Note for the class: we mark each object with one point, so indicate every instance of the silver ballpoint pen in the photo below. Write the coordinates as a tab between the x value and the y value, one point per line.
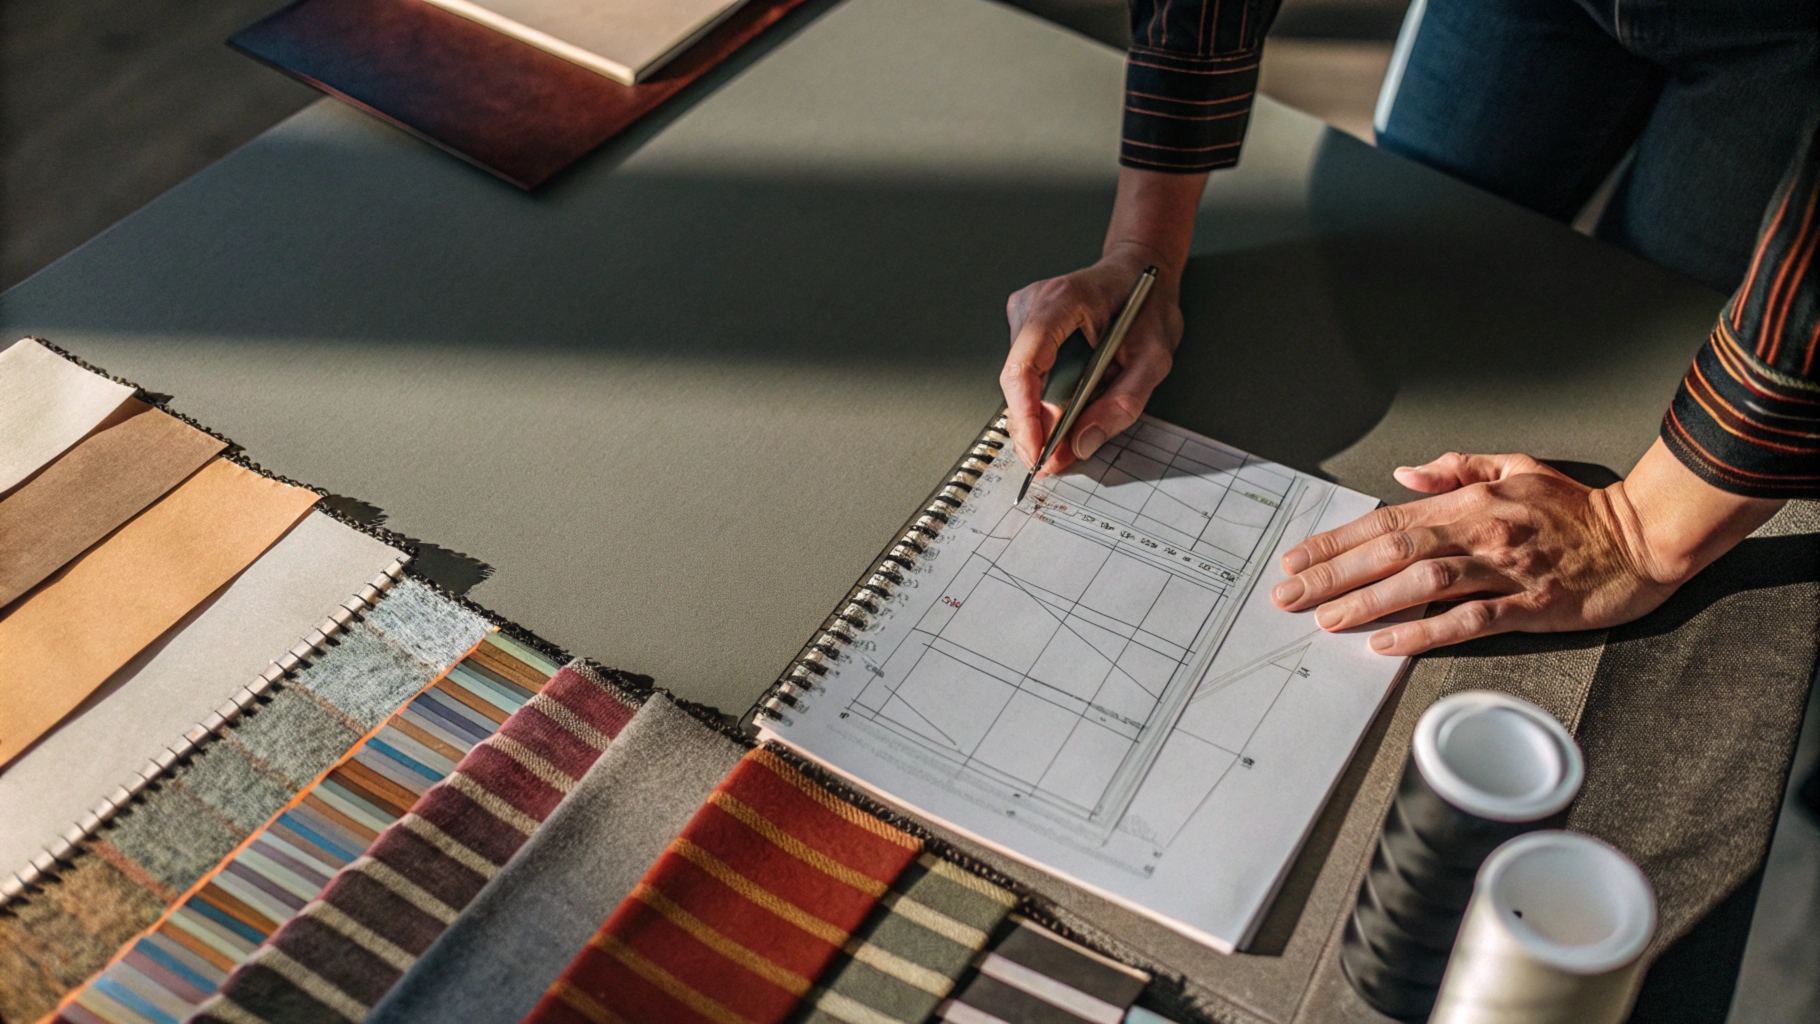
1096	369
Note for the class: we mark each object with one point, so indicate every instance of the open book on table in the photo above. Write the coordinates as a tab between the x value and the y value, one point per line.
1095	681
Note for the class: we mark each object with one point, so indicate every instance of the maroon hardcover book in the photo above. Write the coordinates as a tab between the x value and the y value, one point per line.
504	105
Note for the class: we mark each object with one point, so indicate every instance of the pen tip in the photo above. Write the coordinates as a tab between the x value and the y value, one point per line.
1021	491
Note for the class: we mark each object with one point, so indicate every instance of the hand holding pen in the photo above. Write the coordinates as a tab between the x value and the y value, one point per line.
1097	369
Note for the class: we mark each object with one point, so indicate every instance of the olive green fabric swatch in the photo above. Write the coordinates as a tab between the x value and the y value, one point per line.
900	964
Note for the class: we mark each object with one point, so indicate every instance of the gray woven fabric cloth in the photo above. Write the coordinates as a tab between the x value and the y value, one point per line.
494	963
1688	719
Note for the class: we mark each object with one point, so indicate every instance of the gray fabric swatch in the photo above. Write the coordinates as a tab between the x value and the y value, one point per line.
494	963
430	627
294	736
176	842
227	777
366	676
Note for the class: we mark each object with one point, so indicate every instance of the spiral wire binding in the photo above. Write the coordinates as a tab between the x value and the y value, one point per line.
867	598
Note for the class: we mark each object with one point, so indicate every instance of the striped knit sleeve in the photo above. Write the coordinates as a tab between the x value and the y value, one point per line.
1189	79
1747	415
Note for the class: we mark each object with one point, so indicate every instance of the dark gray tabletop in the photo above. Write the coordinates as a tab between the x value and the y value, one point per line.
680	397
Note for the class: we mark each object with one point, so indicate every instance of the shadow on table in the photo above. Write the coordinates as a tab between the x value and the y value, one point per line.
1295	350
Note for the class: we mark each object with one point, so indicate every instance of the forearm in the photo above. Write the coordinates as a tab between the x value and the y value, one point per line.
1153	221
1676	524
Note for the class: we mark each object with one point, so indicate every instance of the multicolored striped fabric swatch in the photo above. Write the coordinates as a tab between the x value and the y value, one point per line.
189	953
921	939
749	904
137	866
517	937
1034	977
350	945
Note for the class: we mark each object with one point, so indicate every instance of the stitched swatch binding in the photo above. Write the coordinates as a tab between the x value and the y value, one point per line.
63	851
185	956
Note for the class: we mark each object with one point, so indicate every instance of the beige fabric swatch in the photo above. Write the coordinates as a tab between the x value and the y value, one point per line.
69	636
106	479
47	403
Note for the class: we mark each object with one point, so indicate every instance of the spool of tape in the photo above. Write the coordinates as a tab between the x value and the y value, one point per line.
1554	934
1484	768
1496	757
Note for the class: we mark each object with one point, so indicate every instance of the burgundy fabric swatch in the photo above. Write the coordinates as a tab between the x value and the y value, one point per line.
504	105
350	945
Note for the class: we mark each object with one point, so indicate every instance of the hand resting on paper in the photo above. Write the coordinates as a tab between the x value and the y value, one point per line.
1520	546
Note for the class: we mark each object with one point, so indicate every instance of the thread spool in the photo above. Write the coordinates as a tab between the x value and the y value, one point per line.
1484	768
1555	933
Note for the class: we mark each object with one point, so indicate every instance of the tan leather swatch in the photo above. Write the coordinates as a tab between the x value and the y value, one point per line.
107	479
69	636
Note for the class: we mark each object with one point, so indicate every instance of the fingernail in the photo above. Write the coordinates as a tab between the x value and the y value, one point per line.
1295	561
1327	617
1288	591
1089	442
1382	641
1406	469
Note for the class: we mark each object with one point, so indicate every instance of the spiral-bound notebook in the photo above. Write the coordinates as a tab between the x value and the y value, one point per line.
1095	681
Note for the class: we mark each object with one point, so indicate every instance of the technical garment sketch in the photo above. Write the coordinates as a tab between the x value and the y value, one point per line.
1095	677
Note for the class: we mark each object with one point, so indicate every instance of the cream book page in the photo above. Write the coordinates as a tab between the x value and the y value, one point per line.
626	40
1095	680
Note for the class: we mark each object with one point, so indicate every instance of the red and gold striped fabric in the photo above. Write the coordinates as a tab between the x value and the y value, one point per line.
745	909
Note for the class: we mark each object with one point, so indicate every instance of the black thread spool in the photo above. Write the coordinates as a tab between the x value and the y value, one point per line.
1484	768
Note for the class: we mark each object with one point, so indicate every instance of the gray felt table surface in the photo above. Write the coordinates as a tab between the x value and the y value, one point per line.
680	397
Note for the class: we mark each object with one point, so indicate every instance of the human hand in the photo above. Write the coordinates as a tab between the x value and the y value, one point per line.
1152	225
1042	316
1520	546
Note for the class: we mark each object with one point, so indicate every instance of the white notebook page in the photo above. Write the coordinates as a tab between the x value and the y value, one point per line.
1095	681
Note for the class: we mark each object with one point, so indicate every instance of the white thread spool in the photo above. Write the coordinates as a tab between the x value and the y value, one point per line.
1555	934
1497	756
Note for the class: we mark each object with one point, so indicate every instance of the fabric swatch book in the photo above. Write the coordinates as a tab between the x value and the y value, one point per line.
626	40
1095	681
508	107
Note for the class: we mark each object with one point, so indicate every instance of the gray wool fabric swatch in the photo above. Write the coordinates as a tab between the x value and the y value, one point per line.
427	625
494	963
371	675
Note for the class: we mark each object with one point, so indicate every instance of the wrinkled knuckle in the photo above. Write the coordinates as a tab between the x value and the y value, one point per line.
1435	576
1394	517
1485	533
1319	576
1479	615
1399	546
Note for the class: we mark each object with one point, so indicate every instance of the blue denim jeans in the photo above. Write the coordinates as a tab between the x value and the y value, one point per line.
1539	100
